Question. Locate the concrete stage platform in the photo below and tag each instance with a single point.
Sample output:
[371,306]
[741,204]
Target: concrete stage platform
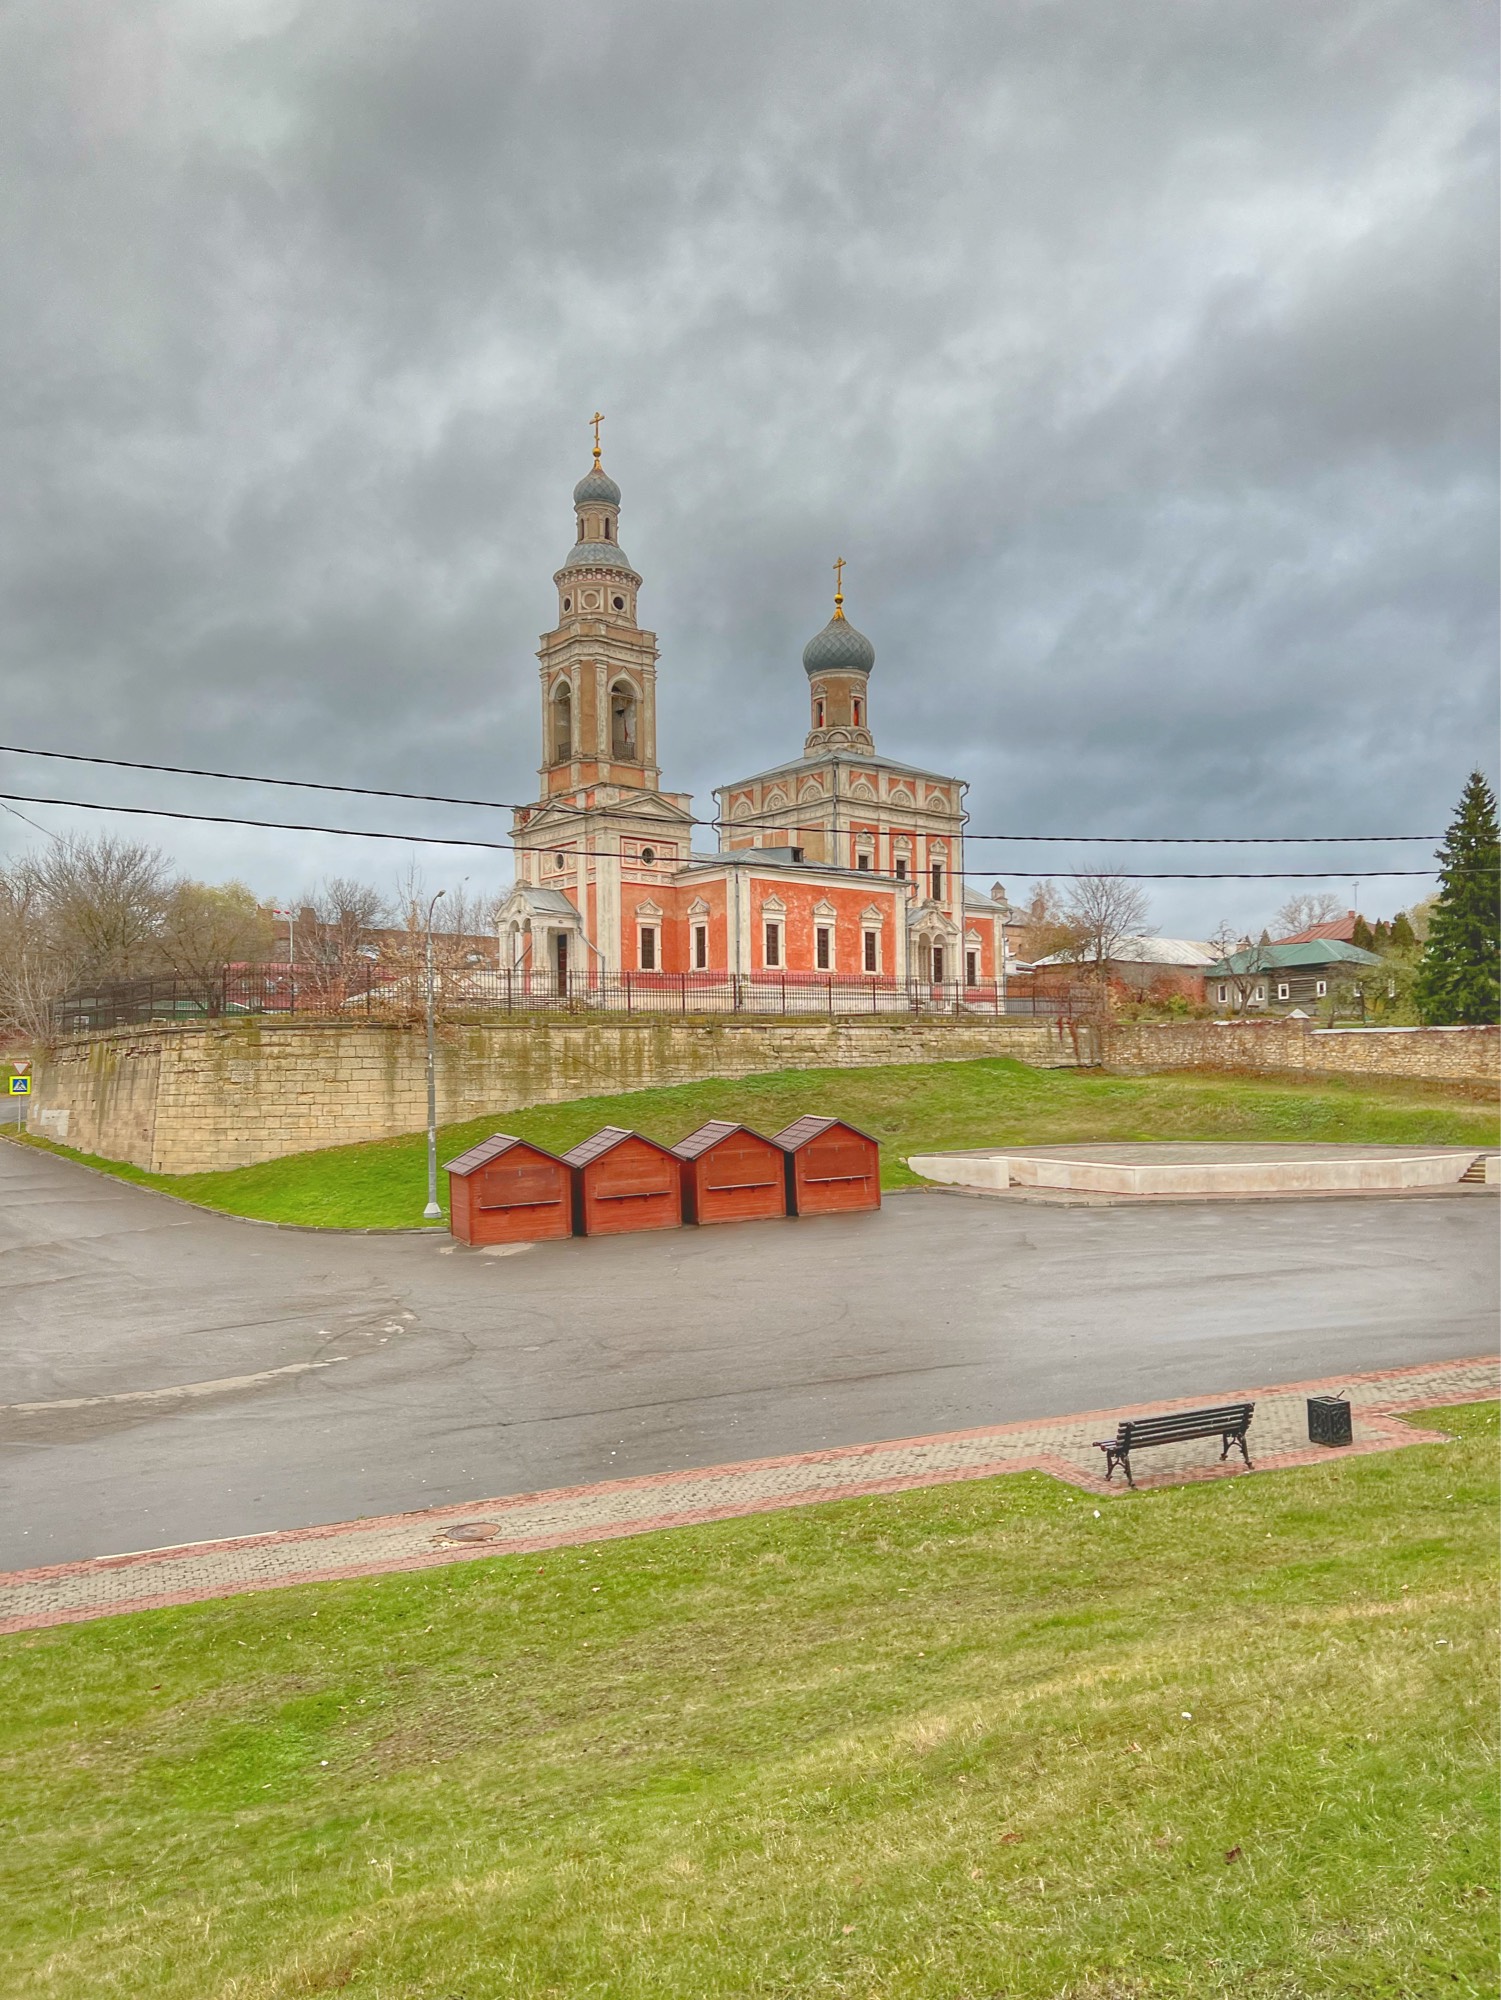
[1143,1169]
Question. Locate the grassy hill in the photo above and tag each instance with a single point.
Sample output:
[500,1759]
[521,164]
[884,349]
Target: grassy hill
[914,1107]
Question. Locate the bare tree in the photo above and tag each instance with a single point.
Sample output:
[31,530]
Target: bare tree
[1307,908]
[1246,965]
[206,927]
[340,935]
[105,899]
[1102,911]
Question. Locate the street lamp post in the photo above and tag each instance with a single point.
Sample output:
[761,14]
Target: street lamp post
[432,1213]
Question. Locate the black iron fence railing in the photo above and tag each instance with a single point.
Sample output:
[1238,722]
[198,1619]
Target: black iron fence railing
[306,991]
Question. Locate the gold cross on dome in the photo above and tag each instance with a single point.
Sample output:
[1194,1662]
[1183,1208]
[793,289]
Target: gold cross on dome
[839,587]
[597,419]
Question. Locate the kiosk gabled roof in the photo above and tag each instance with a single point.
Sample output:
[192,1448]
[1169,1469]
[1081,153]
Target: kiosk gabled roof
[709,1135]
[488,1150]
[801,1130]
[605,1140]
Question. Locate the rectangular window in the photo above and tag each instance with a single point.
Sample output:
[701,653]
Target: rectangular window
[937,881]
[648,948]
[1321,987]
[1282,990]
[823,954]
[1259,994]
[872,947]
[773,944]
[862,861]
[700,947]
[938,965]
[901,868]
[972,968]
[1224,994]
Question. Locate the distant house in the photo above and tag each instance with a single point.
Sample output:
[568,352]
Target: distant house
[1277,978]
[1340,930]
[1155,966]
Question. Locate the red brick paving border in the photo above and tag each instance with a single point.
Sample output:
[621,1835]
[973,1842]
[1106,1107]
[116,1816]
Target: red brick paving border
[68,1593]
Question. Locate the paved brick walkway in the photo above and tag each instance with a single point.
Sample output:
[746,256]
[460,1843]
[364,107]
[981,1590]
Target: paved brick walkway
[66,1593]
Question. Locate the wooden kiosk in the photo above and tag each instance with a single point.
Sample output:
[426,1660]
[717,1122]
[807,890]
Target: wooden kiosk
[731,1174]
[623,1182]
[507,1191]
[831,1167]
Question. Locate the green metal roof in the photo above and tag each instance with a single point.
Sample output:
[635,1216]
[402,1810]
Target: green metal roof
[1279,957]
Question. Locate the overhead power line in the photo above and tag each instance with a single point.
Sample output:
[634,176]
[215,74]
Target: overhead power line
[514,805]
[590,853]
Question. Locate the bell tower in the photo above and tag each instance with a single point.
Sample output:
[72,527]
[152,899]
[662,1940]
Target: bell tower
[599,669]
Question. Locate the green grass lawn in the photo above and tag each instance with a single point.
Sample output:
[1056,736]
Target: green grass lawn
[1231,1739]
[913,1107]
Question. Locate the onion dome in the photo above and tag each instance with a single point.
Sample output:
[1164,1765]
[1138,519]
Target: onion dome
[838,649]
[596,488]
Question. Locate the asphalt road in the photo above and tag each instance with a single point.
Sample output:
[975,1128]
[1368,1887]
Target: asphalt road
[168,1376]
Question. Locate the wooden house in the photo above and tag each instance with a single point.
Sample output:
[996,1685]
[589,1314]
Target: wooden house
[622,1182]
[831,1167]
[731,1174]
[507,1191]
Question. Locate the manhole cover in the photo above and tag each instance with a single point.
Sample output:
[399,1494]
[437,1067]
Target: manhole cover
[471,1531]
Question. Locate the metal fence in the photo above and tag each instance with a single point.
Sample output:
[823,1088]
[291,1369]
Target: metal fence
[299,991]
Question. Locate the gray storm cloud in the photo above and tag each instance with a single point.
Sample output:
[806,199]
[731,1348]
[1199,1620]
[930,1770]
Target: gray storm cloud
[1139,359]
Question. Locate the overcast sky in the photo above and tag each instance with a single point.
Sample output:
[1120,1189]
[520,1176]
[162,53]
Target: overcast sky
[1140,358]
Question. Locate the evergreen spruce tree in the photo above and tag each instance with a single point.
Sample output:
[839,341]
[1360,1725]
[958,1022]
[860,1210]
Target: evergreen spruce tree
[1403,938]
[1459,980]
[1381,934]
[1362,935]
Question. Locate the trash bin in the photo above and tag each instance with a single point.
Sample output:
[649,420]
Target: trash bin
[1329,1420]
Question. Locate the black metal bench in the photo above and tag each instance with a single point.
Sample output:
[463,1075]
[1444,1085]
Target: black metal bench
[1229,1422]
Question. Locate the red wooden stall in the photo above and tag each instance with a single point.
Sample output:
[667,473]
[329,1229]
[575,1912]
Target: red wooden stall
[623,1182]
[506,1191]
[731,1174]
[831,1167]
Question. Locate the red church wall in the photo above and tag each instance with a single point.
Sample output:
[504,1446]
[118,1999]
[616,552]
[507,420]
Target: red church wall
[799,923]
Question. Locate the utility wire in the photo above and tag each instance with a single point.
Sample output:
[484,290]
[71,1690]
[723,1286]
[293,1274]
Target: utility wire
[512,805]
[512,847]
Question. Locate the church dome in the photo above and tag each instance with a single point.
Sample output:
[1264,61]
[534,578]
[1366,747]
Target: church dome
[594,555]
[839,649]
[598,488]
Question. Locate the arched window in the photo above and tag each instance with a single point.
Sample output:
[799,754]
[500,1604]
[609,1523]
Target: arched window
[818,713]
[562,724]
[581,527]
[859,711]
[607,531]
[622,720]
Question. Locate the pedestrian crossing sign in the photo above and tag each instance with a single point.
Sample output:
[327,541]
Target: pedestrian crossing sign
[20,1086]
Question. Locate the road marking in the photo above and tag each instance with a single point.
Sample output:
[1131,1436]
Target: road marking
[223,1386]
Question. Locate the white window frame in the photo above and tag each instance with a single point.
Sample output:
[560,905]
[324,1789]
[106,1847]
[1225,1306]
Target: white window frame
[652,929]
[823,934]
[971,965]
[773,927]
[1283,989]
[870,936]
[1224,995]
[1321,987]
[1259,996]
[701,947]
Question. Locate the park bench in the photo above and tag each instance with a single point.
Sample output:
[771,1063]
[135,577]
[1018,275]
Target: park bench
[1228,1421]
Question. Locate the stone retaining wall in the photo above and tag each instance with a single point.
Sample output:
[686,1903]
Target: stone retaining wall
[193,1099]
[1442,1055]
[181,1100]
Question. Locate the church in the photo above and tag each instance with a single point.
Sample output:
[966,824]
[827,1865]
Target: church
[838,864]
